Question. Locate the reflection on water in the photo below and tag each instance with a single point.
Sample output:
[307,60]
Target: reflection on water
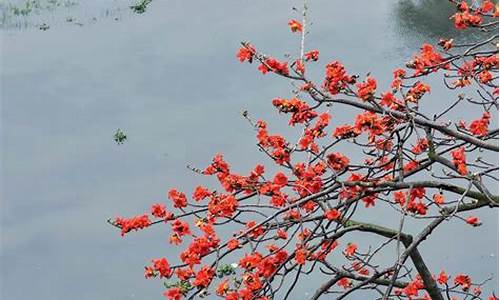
[43,14]
[427,19]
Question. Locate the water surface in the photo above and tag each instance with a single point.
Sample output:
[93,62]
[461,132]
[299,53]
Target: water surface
[170,80]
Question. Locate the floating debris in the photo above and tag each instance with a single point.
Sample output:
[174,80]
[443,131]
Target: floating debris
[141,6]
[44,27]
[120,136]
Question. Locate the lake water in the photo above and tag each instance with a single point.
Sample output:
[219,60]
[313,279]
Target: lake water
[170,80]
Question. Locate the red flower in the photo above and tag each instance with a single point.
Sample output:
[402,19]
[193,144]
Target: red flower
[312,55]
[427,61]
[388,99]
[413,287]
[480,127]
[232,296]
[442,278]
[246,53]
[222,288]
[134,223]
[274,65]
[252,282]
[397,81]
[257,172]
[487,6]
[370,122]
[301,112]
[346,131]
[203,277]
[158,210]
[280,179]
[301,256]
[295,26]
[337,161]
[485,77]
[369,200]
[350,250]
[280,233]
[278,200]
[344,282]
[438,198]
[417,91]
[149,272]
[463,18]
[173,294]
[223,205]
[473,220]
[463,280]
[251,261]
[366,89]
[458,157]
[162,266]
[233,244]
[421,146]
[332,214]
[299,66]
[179,199]
[336,78]
[201,193]
[256,232]
[184,273]
[410,166]
[181,228]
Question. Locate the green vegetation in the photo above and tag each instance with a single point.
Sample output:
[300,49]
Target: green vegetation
[120,137]
[140,6]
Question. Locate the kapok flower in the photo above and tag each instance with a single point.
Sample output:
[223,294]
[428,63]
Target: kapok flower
[458,158]
[173,294]
[332,214]
[200,193]
[336,78]
[134,223]
[473,220]
[427,61]
[158,210]
[222,288]
[480,127]
[301,255]
[233,244]
[421,146]
[417,91]
[246,53]
[178,198]
[295,26]
[398,74]
[346,131]
[350,250]
[463,280]
[312,55]
[438,198]
[162,266]
[463,18]
[345,283]
[442,278]
[366,89]
[180,227]
[204,277]
[274,65]
[337,161]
